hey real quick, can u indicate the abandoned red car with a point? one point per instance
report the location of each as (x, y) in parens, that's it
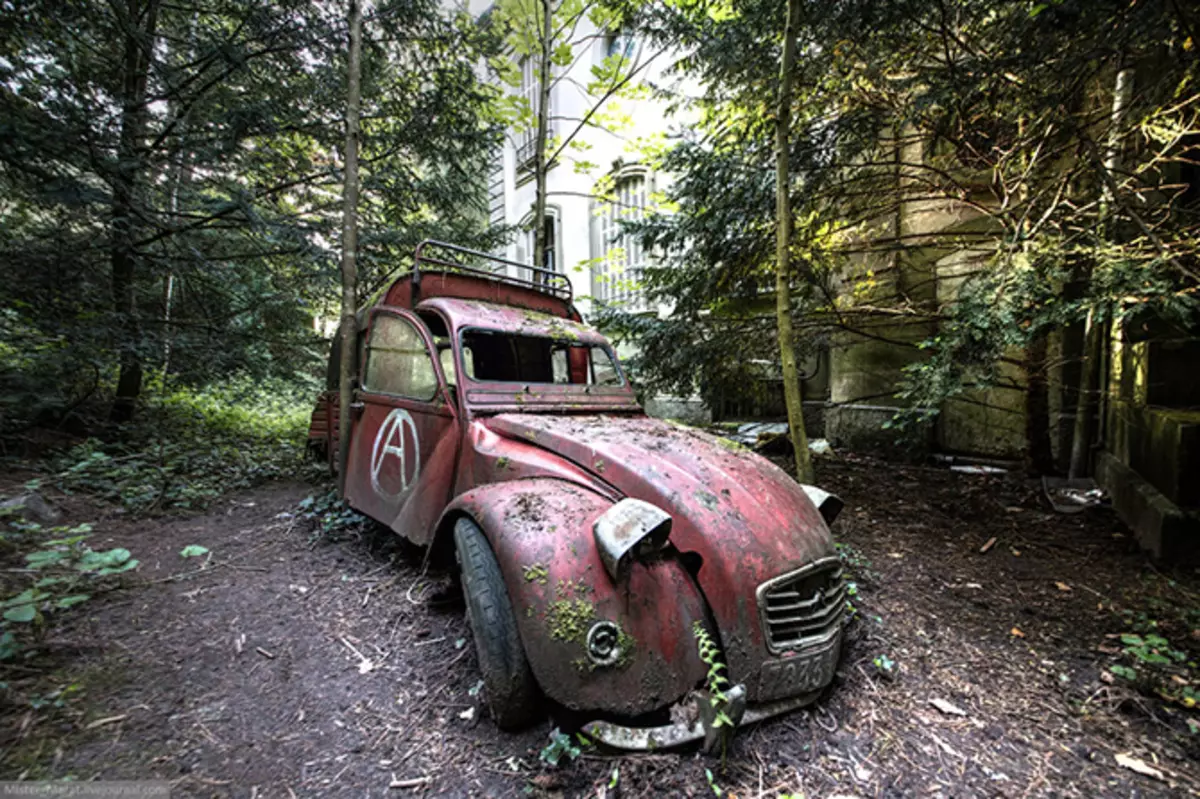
(592, 539)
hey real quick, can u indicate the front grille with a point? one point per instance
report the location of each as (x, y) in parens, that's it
(804, 607)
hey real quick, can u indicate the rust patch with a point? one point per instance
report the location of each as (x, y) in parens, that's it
(709, 501)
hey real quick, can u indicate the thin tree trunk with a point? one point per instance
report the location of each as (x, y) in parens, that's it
(349, 326)
(140, 25)
(1081, 436)
(168, 296)
(183, 176)
(1037, 408)
(543, 128)
(1089, 374)
(783, 240)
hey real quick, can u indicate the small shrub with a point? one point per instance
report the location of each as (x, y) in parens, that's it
(562, 745)
(59, 572)
(1158, 668)
(329, 513)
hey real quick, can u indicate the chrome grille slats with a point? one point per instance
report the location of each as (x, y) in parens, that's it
(803, 607)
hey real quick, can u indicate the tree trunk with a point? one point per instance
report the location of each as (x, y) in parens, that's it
(1037, 408)
(543, 128)
(140, 24)
(182, 177)
(1089, 371)
(349, 327)
(1089, 374)
(783, 240)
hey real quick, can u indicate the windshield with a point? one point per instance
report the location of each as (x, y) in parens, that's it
(498, 356)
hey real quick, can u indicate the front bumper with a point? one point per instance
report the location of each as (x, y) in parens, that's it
(800, 677)
(699, 727)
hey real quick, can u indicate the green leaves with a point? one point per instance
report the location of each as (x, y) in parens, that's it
(22, 614)
(194, 550)
(562, 745)
(562, 54)
(710, 654)
(45, 557)
(23, 608)
(1123, 671)
(9, 648)
(59, 569)
(712, 783)
(1151, 649)
(113, 561)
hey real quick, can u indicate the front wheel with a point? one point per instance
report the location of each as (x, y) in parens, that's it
(510, 688)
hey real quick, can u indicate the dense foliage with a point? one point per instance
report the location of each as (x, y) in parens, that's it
(171, 174)
(189, 447)
(1061, 135)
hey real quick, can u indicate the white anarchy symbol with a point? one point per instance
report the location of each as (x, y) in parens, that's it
(390, 441)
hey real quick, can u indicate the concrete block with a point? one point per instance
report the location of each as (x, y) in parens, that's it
(1169, 534)
(863, 428)
(691, 410)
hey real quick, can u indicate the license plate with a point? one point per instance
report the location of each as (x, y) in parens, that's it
(799, 674)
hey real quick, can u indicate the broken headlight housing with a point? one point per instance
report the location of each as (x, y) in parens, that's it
(629, 529)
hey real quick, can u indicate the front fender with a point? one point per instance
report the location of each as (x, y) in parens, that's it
(541, 532)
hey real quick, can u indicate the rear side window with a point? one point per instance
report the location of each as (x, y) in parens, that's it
(398, 363)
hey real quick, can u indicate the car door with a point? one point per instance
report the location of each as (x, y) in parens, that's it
(405, 438)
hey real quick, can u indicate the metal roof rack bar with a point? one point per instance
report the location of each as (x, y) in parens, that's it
(546, 281)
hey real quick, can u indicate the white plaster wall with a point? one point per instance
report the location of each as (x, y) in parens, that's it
(570, 188)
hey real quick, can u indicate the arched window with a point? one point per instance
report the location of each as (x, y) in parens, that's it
(620, 257)
(551, 258)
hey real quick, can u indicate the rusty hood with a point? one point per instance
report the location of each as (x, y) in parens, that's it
(746, 518)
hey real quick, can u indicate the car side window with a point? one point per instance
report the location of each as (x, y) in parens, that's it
(604, 371)
(447, 357)
(398, 362)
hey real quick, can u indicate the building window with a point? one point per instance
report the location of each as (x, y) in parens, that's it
(525, 246)
(530, 91)
(496, 214)
(621, 44)
(620, 256)
(497, 207)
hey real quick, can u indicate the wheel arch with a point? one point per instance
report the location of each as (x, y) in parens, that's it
(540, 530)
(491, 508)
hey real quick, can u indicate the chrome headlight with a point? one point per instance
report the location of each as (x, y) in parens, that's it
(827, 504)
(628, 529)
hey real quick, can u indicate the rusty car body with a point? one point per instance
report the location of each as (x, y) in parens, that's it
(592, 538)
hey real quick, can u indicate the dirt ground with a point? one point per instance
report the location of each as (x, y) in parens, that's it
(294, 664)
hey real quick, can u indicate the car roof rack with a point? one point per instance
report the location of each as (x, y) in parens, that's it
(545, 281)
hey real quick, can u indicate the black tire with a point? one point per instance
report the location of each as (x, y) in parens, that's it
(510, 688)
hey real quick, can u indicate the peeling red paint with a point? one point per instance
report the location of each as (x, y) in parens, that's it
(536, 465)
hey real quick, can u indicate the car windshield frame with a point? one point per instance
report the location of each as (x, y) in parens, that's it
(591, 342)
